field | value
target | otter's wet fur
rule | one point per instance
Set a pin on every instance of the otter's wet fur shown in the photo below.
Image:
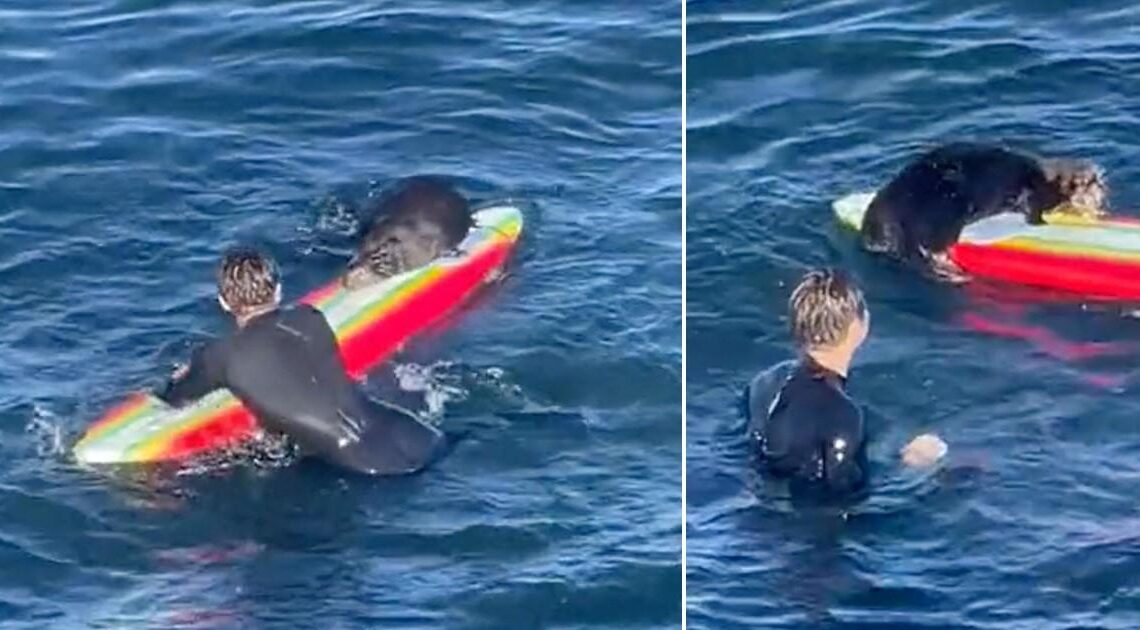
(414, 222)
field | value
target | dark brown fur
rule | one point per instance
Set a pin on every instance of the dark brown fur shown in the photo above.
(418, 220)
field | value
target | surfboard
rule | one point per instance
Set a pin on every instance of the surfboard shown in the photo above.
(1098, 258)
(371, 323)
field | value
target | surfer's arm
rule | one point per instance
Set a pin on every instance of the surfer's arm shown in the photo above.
(201, 376)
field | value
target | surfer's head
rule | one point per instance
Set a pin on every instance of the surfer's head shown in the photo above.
(828, 313)
(248, 282)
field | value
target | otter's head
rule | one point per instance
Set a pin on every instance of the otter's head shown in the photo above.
(1079, 183)
(373, 263)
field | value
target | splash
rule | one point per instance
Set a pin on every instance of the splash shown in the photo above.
(438, 382)
(267, 452)
(445, 383)
(46, 432)
(337, 217)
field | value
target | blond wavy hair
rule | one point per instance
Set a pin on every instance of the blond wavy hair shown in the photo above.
(822, 308)
(247, 279)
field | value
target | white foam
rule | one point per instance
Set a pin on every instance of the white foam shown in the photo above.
(46, 431)
(445, 383)
(435, 381)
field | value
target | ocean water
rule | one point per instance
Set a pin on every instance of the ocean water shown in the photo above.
(138, 139)
(1032, 520)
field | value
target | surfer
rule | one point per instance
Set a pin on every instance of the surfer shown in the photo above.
(285, 366)
(810, 430)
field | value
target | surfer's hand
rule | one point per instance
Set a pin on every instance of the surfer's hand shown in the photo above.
(924, 450)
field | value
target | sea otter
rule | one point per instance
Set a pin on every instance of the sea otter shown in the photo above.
(414, 222)
(922, 211)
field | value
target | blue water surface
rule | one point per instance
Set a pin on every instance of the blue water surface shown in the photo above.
(1032, 522)
(139, 139)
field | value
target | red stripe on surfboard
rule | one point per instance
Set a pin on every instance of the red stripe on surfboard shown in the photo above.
(229, 427)
(371, 345)
(1080, 274)
(380, 339)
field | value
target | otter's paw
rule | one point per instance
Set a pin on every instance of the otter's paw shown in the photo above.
(943, 269)
(1069, 210)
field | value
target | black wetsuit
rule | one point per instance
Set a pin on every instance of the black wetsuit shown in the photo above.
(808, 430)
(285, 366)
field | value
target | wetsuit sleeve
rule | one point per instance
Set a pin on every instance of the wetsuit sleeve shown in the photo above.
(844, 457)
(204, 374)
